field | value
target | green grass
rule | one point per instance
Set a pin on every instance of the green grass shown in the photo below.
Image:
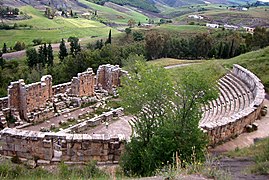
(184, 29)
(256, 61)
(53, 30)
(114, 15)
(163, 62)
(9, 170)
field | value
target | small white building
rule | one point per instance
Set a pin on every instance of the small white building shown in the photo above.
(249, 29)
(212, 25)
(194, 16)
(230, 27)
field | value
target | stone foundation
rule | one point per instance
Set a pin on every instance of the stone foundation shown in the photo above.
(55, 147)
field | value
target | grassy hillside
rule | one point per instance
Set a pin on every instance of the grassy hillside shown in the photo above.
(256, 61)
(184, 29)
(143, 4)
(114, 15)
(255, 16)
(52, 30)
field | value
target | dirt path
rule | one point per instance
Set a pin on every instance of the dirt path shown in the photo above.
(237, 168)
(55, 47)
(19, 54)
(179, 65)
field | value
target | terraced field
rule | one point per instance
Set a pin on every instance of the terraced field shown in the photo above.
(120, 16)
(52, 30)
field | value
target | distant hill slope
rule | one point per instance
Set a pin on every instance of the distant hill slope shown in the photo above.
(59, 4)
(148, 5)
(178, 3)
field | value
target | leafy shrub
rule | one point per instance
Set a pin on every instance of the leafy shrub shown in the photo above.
(37, 41)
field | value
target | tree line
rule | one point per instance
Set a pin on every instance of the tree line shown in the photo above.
(150, 45)
(204, 45)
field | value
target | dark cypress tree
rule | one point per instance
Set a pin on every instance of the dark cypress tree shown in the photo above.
(63, 51)
(72, 48)
(2, 61)
(45, 52)
(32, 57)
(50, 55)
(4, 49)
(97, 44)
(71, 13)
(77, 49)
(108, 41)
(41, 56)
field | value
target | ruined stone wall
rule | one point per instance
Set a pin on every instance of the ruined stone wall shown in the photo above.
(37, 94)
(72, 147)
(83, 85)
(33, 102)
(237, 123)
(108, 77)
(61, 88)
(17, 97)
(4, 103)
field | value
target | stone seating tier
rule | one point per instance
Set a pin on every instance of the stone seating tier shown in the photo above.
(238, 105)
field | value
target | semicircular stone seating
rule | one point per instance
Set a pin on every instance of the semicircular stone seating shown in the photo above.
(240, 100)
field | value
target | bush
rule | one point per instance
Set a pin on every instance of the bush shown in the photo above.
(138, 36)
(19, 46)
(37, 41)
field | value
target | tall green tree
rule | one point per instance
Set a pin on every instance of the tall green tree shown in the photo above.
(74, 46)
(63, 51)
(128, 31)
(155, 43)
(41, 56)
(32, 57)
(4, 49)
(50, 55)
(166, 117)
(2, 61)
(109, 39)
(45, 52)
